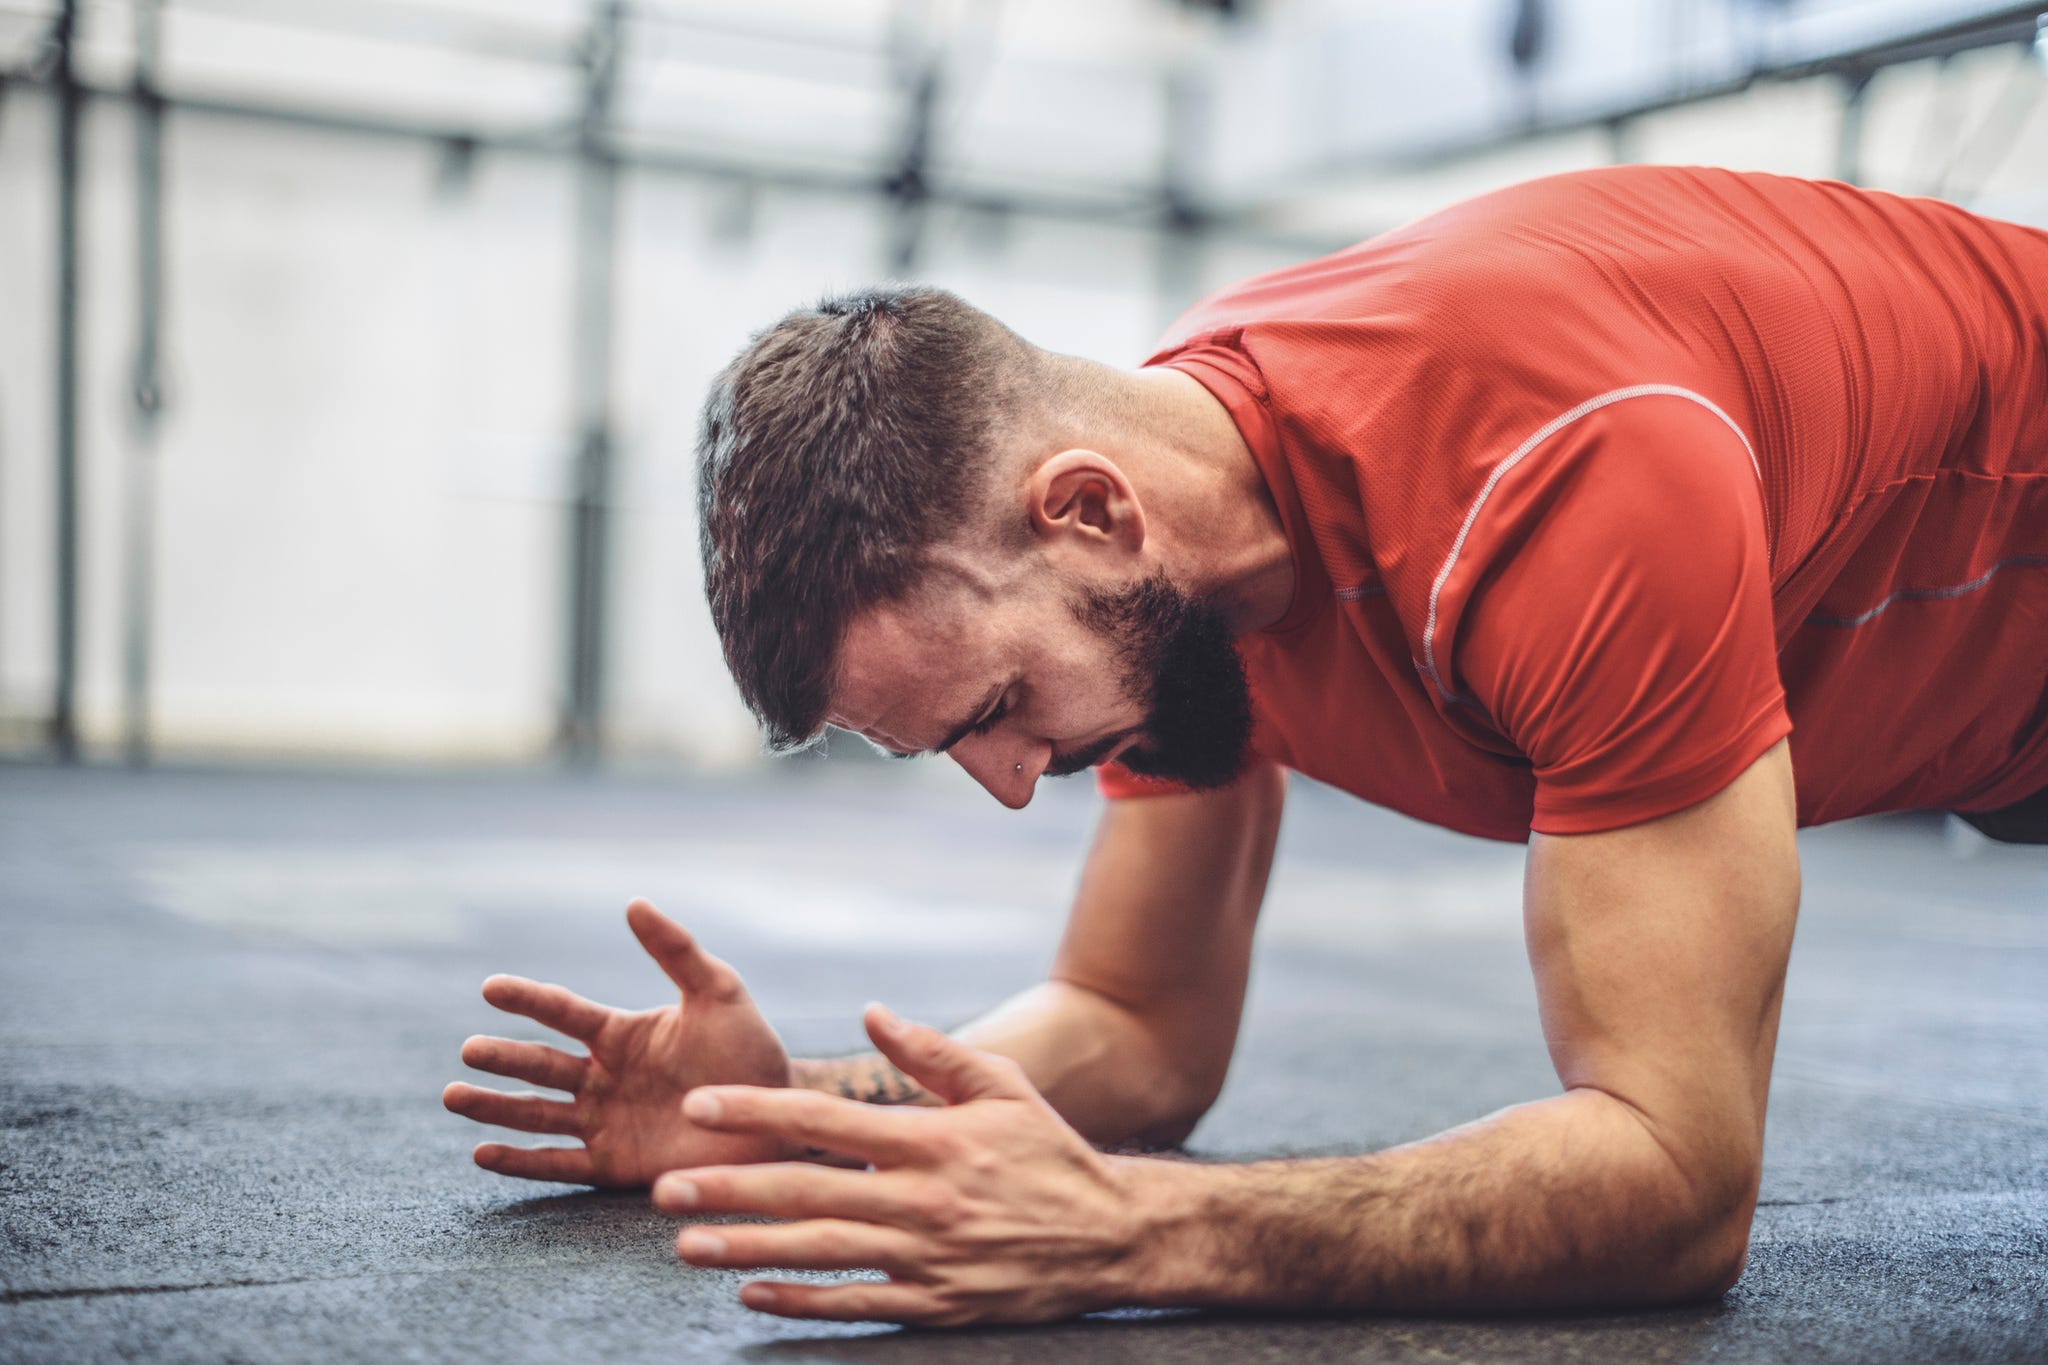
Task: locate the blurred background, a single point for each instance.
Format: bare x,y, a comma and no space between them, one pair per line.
352,644
351,350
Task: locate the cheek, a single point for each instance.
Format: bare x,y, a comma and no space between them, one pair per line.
1086,697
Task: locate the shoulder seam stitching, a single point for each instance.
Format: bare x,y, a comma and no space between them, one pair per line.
1544,433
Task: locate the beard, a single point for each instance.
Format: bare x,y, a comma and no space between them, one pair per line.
1176,653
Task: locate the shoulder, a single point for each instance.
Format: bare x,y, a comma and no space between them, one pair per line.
1608,610
1491,240
1641,503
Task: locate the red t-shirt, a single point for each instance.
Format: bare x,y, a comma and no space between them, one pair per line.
1599,486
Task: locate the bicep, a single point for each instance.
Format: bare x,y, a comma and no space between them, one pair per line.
1659,952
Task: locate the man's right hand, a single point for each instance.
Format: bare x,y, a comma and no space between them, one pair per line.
627,1094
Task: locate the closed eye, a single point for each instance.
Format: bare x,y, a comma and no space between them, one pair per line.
998,703
989,721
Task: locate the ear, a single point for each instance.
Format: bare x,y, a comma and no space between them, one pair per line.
1080,496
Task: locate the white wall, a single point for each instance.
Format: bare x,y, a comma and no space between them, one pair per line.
365,455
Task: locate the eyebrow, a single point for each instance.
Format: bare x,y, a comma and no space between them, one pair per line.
960,731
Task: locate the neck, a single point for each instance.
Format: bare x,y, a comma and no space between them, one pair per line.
1219,531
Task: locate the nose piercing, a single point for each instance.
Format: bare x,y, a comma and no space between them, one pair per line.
1020,767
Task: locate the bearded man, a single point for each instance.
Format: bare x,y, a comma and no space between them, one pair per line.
1643,515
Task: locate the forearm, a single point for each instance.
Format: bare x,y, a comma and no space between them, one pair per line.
1566,1202
1097,1062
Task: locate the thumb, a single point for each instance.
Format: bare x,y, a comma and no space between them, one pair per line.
675,950
943,1065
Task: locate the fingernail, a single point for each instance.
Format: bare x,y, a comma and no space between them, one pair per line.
681,1193
757,1296
887,1018
698,1245
701,1107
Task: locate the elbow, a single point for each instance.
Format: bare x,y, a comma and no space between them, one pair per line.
1163,1067
1679,1235
1707,1247
1731,1268
1686,1261
1166,1134
1729,1210
1715,1261
1700,1199
1177,1110
1180,1094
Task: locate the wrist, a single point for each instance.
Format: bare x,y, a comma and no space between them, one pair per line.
1174,1259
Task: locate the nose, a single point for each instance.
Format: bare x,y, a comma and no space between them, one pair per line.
1008,769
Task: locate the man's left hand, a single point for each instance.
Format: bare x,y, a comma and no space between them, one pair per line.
991,1209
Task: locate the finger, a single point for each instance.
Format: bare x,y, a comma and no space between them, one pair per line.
530,1062
884,1135
527,1113
556,1006
570,1165
858,1302
819,1244
945,1066
795,1189
693,970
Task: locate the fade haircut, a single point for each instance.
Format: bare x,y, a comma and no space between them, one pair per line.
836,450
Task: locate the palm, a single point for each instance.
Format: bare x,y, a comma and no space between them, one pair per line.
626,1096
643,1064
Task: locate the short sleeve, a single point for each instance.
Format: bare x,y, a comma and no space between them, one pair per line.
1616,625
1118,783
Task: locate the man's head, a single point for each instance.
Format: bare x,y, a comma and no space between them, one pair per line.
919,526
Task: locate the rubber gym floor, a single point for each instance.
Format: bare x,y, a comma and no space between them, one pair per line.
229,1000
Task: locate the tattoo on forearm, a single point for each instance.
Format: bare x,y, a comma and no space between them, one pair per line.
869,1079
878,1083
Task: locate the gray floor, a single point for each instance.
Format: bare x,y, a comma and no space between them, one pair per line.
228,1002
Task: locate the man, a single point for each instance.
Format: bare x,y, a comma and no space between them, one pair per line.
1588,513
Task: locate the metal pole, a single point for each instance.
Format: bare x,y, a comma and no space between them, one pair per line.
1177,278
909,186
1128,206
597,193
63,730
1849,146
2014,23
1621,142
917,59
139,513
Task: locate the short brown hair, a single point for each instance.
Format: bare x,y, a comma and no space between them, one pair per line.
836,450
